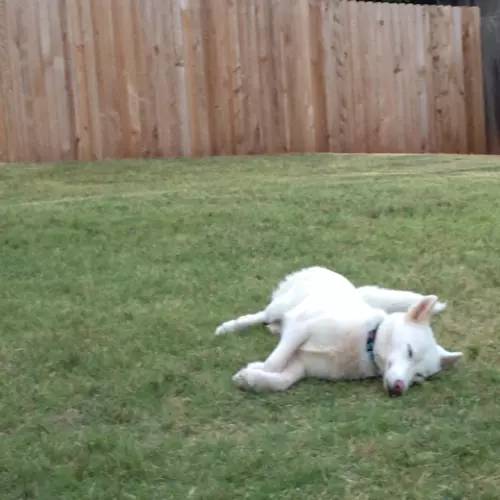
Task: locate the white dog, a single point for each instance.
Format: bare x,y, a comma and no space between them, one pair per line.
329,329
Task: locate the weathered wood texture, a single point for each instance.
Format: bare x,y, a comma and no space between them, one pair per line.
94,79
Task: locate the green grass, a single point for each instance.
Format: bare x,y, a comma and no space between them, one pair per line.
115,275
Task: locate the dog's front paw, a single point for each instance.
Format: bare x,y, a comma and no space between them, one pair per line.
223,328
439,307
240,379
248,378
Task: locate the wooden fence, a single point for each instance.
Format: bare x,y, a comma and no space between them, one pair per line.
93,79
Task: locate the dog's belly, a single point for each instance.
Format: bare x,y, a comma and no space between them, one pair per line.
347,361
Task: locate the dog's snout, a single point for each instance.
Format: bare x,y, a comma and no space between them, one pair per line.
397,389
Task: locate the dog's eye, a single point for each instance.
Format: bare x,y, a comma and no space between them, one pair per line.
410,351
419,375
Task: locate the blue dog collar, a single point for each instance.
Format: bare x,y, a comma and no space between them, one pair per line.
370,343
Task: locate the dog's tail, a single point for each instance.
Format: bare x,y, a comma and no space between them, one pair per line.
394,300
242,323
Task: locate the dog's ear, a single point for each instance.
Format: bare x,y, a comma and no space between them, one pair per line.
448,358
422,310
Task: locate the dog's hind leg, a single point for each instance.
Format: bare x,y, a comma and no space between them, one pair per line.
271,316
242,323
294,334
255,379
392,301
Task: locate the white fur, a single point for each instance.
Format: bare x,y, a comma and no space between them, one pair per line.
323,321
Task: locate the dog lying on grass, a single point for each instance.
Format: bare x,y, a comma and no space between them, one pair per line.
329,329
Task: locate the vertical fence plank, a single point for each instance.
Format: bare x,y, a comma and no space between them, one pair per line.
447,66
190,112
223,78
417,76
370,80
412,143
478,95
357,118
53,58
398,132
18,125
381,104
237,69
420,74
151,15
127,80
28,45
241,89
297,80
303,74
453,98
439,29
201,84
386,81
210,19
167,118
435,46
361,80
402,78
211,72
105,61
49,76
78,98
349,104
266,73
148,15
6,145
255,106
292,83
274,68
318,95
344,74
460,107
144,132
367,73
473,80
180,81
429,110
62,112
279,41
332,105
88,41
236,56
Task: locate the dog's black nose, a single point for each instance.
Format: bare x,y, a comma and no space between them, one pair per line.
397,389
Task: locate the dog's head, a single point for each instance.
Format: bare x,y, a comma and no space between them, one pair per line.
407,350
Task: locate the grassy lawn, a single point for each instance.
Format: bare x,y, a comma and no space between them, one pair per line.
115,275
